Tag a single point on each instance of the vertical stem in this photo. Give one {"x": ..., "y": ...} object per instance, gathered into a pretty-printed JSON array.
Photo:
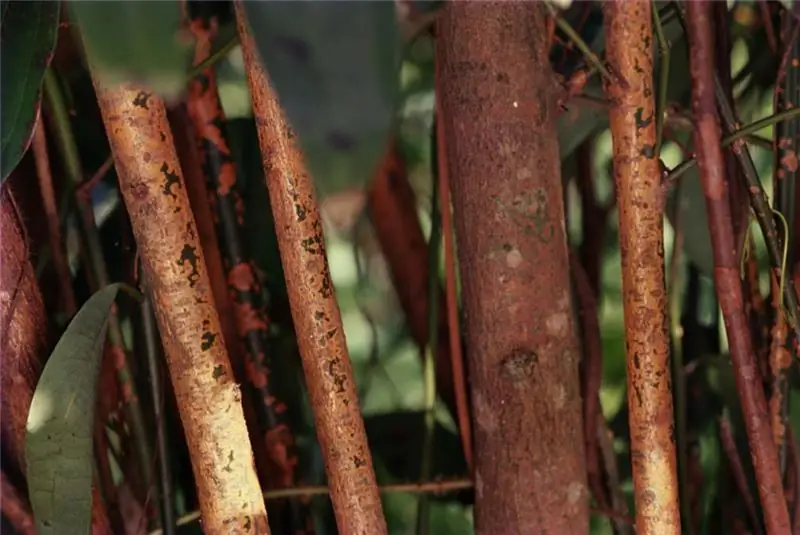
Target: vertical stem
[
  {"x": 53, "y": 224},
  {"x": 316, "y": 314},
  {"x": 244, "y": 286},
  {"x": 153, "y": 351},
  {"x": 498, "y": 110},
  {"x": 208, "y": 398},
  {"x": 451, "y": 293},
  {"x": 629, "y": 49},
  {"x": 726, "y": 268}
]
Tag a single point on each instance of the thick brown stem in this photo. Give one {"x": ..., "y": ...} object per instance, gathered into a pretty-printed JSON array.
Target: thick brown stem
[
  {"x": 315, "y": 312},
  {"x": 498, "y": 110},
  {"x": 629, "y": 49},
  {"x": 726, "y": 269},
  {"x": 208, "y": 398}
]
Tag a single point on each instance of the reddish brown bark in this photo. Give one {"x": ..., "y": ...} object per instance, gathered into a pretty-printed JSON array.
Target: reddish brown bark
[
  {"x": 726, "y": 269},
  {"x": 498, "y": 104},
  {"x": 315, "y": 312},
  {"x": 208, "y": 398},
  {"x": 629, "y": 50},
  {"x": 451, "y": 291},
  {"x": 591, "y": 376},
  {"x": 23, "y": 335},
  {"x": 16, "y": 508}
]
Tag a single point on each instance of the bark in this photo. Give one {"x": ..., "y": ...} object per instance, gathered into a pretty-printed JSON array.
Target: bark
[
  {"x": 243, "y": 284},
  {"x": 16, "y": 508},
  {"x": 726, "y": 269},
  {"x": 498, "y": 103},
  {"x": 315, "y": 312},
  {"x": 208, "y": 397},
  {"x": 629, "y": 49},
  {"x": 23, "y": 342}
]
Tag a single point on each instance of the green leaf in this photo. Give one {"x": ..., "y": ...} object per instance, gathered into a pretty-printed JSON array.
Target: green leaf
[
  {"x": 136, "y": 41},
  {"x": 29, "y": 31},
  {"x": 58, "y": 444},
  {"x": 335, "y": 67}
]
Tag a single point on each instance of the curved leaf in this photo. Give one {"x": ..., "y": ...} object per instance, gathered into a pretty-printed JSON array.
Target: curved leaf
[
  {"x": 136, "y": 41},
  {"x": 335, "y": 67},
  {"x": 58, "y": 444},
  {"x": 29, "y": 31}
]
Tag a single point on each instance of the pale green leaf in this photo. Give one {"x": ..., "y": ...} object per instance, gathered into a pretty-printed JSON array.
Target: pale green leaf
[{"x": 58, "y": 444}]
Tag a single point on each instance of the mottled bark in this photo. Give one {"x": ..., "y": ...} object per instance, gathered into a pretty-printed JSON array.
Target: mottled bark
[
  {"x": 498, "y": 108},
  {"x": 629, "y": 50},
  {"x": 726, "y": 269},
  {"x": 243, "y": 284},
  {"x": 208, "y": 397},
  {"x": 315, "y": 312}
]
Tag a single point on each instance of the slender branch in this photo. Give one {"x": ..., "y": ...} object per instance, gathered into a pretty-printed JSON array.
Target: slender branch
[
  {"x": 628, "y": 28},
  {"x": 741, "y": 135},
  {"x": 212, "y": 59},
  {"x": 451, "y": 291},
  {"x": 726, "y": 265},
  {"x": 429, "y": 372},
  {"x": 51, "y": 212},
  {"x": 663, "y": 79},
  {"x": 728, "y": 443},
  {"x": 320, "y": 335},
  {"x": 591, "y": 57}
]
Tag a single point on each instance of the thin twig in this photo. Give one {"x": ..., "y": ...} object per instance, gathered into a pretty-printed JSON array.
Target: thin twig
[
  {"x": 428, "y": 487},
  {"x": 51, "y": 212},
  {"x": 451, "y": 292},
  {"x": 728, "y": 443},
  {"x": 674, "y": 288},
  {"x": 152, "y": 347},
  {"x": 590, "y": 56},
  {"x": 663, "y": 79},
  {"x": 742, "y": 135}
]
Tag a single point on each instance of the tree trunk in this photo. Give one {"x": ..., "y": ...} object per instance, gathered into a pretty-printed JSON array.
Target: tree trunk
[{"x": 499, "y": 115}]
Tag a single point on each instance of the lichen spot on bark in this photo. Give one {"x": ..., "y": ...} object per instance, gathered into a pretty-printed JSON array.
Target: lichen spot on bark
[
  {"x": 557, "y": 324},
  {"x": 513, "y": 256},
  {"x": 519, "y": 365}
]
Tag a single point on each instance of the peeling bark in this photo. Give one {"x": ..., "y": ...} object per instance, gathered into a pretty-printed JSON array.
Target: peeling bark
[
  {"x": 726, "y": 269},
  {"x": 243, "y": 284},
  {"x": 315, "y": 312},
  {"x": 498, "y": 103},
  {"x": 208, "y": 398},
  {"x": 629, "y": 49}
]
